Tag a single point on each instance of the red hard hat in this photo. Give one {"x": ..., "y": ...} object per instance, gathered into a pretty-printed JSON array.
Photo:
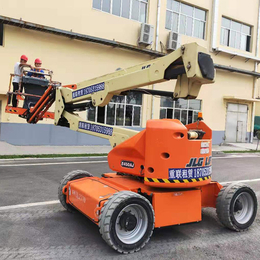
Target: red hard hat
[
  {"x": 38, "y": 61},
  {"x": 24, "y": 57}
]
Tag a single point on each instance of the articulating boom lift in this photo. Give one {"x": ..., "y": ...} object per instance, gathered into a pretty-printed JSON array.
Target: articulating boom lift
[{"x": 163, "y": 173}]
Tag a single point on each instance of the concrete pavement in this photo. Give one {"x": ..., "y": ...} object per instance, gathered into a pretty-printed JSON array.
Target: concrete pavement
[
  {"x": 237, "y": 146},
  {"x": 48, "y": 231},
  {"x": 8, "y": 149}
]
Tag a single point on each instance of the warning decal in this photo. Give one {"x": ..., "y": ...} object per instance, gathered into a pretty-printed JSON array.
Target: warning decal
[{"x": 189, "y": 173}]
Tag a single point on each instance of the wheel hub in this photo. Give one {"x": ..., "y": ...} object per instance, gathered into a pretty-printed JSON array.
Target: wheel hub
[
  {"x": 243, "y": 208},
  {"x": 238, "y": 206},
  {"x": 128, "y": 221}
]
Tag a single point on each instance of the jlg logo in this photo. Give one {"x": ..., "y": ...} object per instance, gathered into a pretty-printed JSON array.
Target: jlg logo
[{"x": 198, "y": 162}]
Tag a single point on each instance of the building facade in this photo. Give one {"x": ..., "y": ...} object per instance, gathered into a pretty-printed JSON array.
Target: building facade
[{"x": 89, "y": 38}]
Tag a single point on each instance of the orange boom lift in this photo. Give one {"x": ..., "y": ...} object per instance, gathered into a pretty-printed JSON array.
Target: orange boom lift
[{"x": 162, "y": 175}]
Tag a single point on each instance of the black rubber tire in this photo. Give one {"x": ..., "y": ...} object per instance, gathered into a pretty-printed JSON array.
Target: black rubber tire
[
  {"x": 109, "y": 214},
  {"x": 226, "y": 202},
  {"x": 73, "y": 175}
]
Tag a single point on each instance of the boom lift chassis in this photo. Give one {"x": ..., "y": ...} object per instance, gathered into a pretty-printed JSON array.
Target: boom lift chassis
[{"x": 163, "y": 173}]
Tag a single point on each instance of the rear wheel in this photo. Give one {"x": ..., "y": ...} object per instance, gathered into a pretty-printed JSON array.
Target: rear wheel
[
  {"x": 236, "y": 206},
  {"x": 126, "y": 221},
  {"x": 74, "y": 175}
]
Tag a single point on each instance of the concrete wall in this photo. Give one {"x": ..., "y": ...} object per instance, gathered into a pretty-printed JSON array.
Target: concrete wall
[
  {"x": 24, "y": 134},
  {"x": 257, "y": 108},
  {"x": 46, "y": 134},
  {"x": 78, "y": 16}
]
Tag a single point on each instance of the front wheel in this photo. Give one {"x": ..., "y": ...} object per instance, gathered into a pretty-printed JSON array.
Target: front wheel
[
  {"x": 126, "y": 221},
  {"x": 236, "y": 206}
]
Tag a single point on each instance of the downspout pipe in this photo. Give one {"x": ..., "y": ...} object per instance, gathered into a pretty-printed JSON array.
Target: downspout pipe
[
  {"x": 255, "y": 79},
  {"x": 157, "y": 25},
  {"x": 156, "y": 45},
  {"x": 214, "y": 25}
]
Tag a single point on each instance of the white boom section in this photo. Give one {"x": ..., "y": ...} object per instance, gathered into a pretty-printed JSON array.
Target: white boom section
[{"x": 190, "y": 65}]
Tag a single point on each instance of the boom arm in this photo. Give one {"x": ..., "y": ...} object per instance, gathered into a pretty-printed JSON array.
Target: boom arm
[{"x": 190, "y": 65}]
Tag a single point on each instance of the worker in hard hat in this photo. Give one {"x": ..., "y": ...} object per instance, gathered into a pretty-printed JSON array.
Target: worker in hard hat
[
  {"x": 18, "y": 68},
  {"x": 38, "y": 64}
]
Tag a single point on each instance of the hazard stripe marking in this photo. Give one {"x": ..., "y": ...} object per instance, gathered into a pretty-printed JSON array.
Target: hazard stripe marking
[
  {"x": 176, "y": 181},
  {"x": 166, "y": 181}
]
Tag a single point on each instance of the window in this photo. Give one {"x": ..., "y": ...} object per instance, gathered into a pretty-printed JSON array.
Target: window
[
  {"x": 131, "y": 9},
  {"x": 121, "y": 110},
  {"x": 184, "y": 110},
  {"x": 185, "y": 19},
  {"x": 1, "y": 34},
  {"x": 235, "y": 34}
]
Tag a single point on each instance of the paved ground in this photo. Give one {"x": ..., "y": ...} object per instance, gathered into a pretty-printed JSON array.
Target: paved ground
[
  {"x": 8, "y": 149},
  {"x": 237, "y": 146},
  {"x": 49, "y": 232}
]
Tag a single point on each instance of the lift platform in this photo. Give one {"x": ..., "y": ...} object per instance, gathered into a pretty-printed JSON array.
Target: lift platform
[
  {"x": 163, "y": 174},
  {"x": 35, "y": 96}
]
